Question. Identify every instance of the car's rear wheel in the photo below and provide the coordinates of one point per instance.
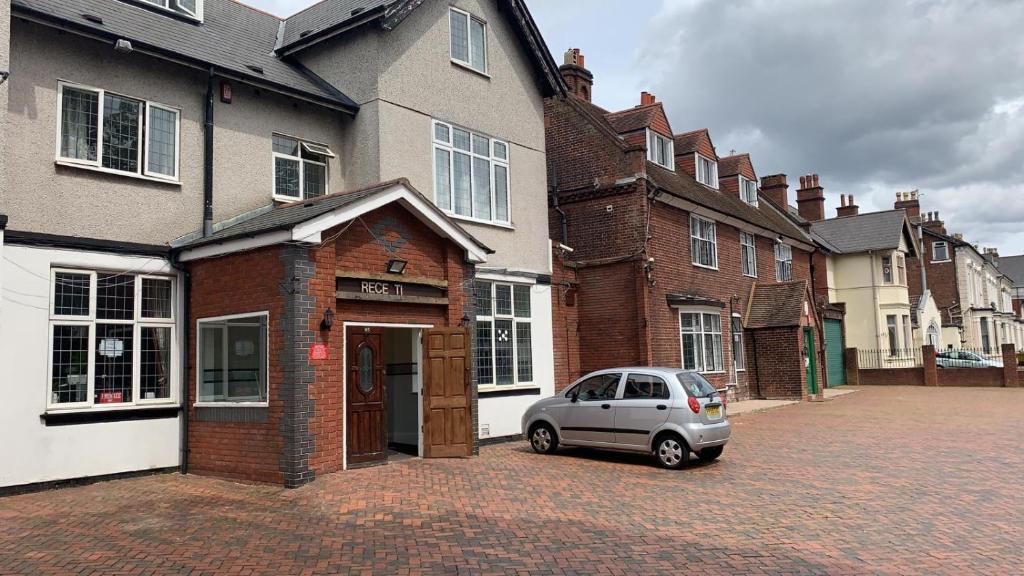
(709, 454)
(671, 452)
(543, 438)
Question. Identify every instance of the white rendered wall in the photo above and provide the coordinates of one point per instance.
(33, 452)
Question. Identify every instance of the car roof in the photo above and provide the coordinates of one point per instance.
(647, 369)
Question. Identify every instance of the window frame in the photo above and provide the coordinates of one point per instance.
(736, 337)
(493, 162)
(266, 359)
(469, 43)
(887, 271)
(713, 241)
(493, 317)
(138, 323)
(300, 143)
(744, 191)
(701, 334)
(783, 247)
(892, 330)
(653, 139)
(901, 269)
(945, 248)
(143, 151)
(752, 247)
(700, 168)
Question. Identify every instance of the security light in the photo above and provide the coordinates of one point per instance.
(396, 266)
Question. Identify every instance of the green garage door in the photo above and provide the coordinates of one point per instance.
(834, 353)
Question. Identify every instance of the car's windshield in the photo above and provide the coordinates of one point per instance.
(695, 384)
(965, 355)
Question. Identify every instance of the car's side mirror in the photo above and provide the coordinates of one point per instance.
(575, 397)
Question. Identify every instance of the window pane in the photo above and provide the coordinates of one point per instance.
(460, 139)
(155, 360)
(503, 299)
(503, 352)
(365, 367)
(286, 177)
(121, 133)
(524, 352)
(69, 381)
(114, 348)
(501, 193)
(71, 294)
(462, 184)
(246, 360)
(442, 133)
(500, 150)
(477, 33)
(285, 145)
(156, 298)
(78, 124)
(483, 298)
(187, 5)
(442, 179)
(521, 296)
(163, 126)
(644, 386)
(481, 145)
(484, 353)
(314, 179)
(115, 297)
(460, 41)
(481, 189)
(691, 351)
(211, 362)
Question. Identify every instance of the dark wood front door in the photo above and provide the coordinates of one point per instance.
(447, 394)
(366, 416)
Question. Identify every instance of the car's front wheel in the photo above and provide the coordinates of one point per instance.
(709, 454)
(543, 438)
(671, 452)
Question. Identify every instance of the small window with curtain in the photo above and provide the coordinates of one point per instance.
(300, 168)
(468, 40)
(703, 246)
(783, 262)
(748, 255)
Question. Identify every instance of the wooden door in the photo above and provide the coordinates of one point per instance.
(366, 416)
(447, 394)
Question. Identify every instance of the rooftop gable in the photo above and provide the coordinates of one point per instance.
(639, 118)
(696, 141)
(865, 232)
(737, 164)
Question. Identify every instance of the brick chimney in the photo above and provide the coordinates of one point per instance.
(846, 206)
(647, 98)
(578, 79)
(931, 221)
(908, 201)
(776, 189)
(810, 198)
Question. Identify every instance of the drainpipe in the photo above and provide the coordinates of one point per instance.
(186, 283)
(561, 213)
(874, 299)
(208, 158)
(924, 284)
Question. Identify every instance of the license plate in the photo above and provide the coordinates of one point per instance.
(713, 411)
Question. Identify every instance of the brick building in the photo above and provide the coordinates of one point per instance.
(668, 249)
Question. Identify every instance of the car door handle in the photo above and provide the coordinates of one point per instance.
(606, 406)
(662, 407)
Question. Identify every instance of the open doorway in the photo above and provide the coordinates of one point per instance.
(402, 384)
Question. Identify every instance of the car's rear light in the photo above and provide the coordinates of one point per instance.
(694, 404)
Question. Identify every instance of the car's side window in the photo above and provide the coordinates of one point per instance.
(600, 387)
(645, 386)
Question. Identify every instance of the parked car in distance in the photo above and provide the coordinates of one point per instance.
(666, 412)
(964, 359)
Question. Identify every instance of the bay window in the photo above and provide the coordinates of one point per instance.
(504, 335)
(116, 133)
(783, 262)
(701, 341)
(471, 174)
(703, 246)
(300, 168)
(111, 339)
(232, 359)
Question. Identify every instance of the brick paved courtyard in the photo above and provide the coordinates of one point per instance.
(872, 482)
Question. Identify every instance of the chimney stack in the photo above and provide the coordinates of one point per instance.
(647, 98)
(932, 222)
(810, 198)
(776, 189)
(846, 206)
(577, 78)
(909, 202)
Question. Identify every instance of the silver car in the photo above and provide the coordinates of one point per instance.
(965, 359)
(661, 411)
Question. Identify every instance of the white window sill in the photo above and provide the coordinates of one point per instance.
(940, 261)
(706, 267)
(231, 405)
(751, 275)
(480, 221)
(111, 407)
(103, 170)
(495, 388)
(466, 66)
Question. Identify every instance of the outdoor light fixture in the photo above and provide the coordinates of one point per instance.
(328, 320)
(396, 266)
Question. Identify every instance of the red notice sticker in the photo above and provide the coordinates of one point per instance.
(318, 352)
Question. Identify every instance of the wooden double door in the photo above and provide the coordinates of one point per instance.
(446, 395)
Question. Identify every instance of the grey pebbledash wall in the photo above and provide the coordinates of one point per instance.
(297, 373)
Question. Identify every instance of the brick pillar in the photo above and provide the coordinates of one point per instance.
(852, 363)
(931, 370)
(1010, 374)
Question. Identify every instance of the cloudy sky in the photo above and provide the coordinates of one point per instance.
(875, 96)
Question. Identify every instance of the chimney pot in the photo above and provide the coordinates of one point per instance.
(646, 98)
(577, 78)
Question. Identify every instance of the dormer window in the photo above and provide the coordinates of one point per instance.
(707, 171)
(661, 150)
(190, 8)
(748, 191)
(468, 40)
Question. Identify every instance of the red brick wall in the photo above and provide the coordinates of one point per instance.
(894, 377)
(610, 323)
(565, 321)
(687, 163)
(971, 377)
(942, 281)
(579, 154)
(775, 357)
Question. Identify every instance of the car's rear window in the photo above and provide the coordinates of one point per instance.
(695, 384)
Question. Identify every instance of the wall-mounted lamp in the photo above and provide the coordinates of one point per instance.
(328, 320)
(396, 266)
(465, 319)
(123, 46)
